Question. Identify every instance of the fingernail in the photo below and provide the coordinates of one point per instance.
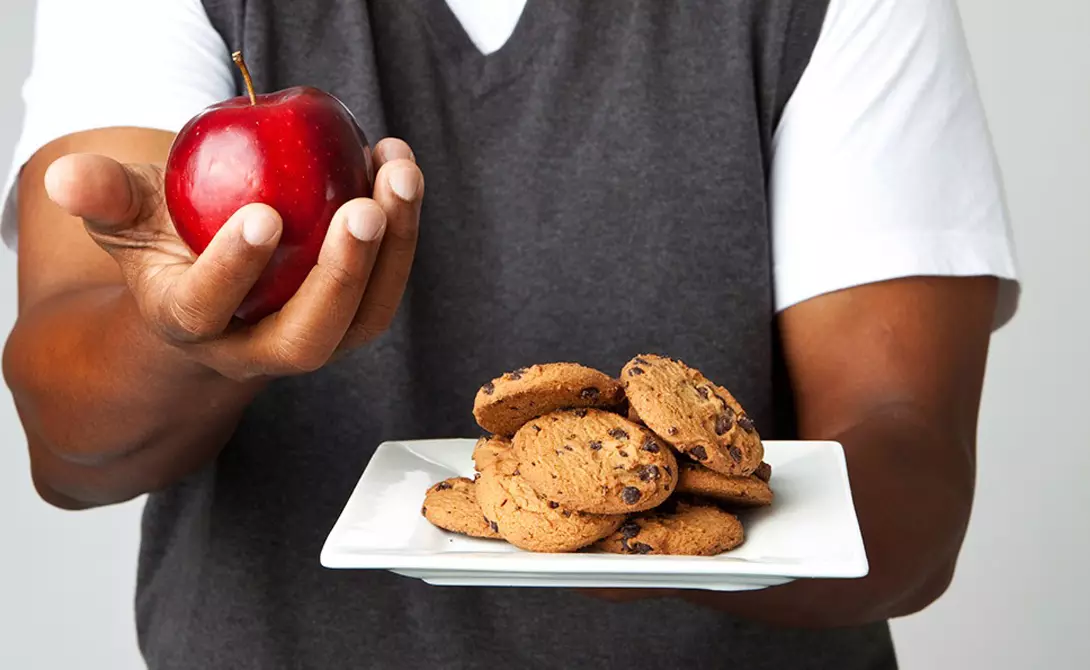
(258, 229)
(405, 183)
(366, 223)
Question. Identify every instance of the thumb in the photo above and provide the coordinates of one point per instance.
(107, 195)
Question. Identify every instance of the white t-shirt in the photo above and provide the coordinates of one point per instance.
(882, 168)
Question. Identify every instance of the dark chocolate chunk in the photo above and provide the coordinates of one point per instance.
(736, 454)
(590, 393)
(746, 423)
(623, 453)
(618, 434)
(489, 388)
(648, 473)
(516, 473)
(673, 430)
(580, 413)
(568, 447)
(635, 371)
(629, 529)
(566, 513)
(517, 374)
(553, 505)
(640, 361)
(640, 548)
(537, 428)
(698, 452)
(443, 486)
(763, 472)
(630, 494)
(723, 423)
(424, 509)
(703, 391)
(651, 445)
(595, 446)
(494, 527)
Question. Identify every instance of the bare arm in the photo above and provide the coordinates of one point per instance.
(125, 367)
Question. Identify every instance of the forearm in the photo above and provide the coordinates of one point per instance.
(109, 410)
(912, 484)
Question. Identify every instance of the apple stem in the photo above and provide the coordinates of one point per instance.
(237, 57)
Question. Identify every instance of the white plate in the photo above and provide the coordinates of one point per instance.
(809, 531)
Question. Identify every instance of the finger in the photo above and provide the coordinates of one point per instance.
(202, 301)
(399, 190)
(107, 195)
(303, 335)
(391, 149)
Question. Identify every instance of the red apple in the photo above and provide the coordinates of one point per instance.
(298, 150)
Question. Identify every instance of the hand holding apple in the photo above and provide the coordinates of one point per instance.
(348, 293)
(298, 151)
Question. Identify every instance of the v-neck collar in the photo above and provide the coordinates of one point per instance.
(480, 72)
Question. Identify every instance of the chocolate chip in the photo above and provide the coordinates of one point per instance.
(623, 453)
(424, 510)
(580, 413)
(763, 472)
(553, 505)
(489, 388)
(648, 473)
(537, 428)
(640, 548)
(558, 452)
(746, 423)
(630, 494)
(516, 473)
(668, 472)
(698, 452)
(595, 446)
(566, 513)
(736, 454)
(590, 393)
(640, 361)
(703, 391)
(476, 476)
(635, 371)
(618, 434)
(651, 445)
(673, 430)
(568, 447)
(723, 423)
(494, 527)
(487, 522)
(443, 486)
(517, 374)
(629, 529)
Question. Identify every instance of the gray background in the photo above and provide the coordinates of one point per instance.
(1020, 598)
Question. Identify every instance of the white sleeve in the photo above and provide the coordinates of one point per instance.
(883, 165)
(103, 63)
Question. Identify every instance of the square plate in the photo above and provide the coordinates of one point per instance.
(810, 530)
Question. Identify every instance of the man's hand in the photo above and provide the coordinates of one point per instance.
(349, 297)
(893, 371)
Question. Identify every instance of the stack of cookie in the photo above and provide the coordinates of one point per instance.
(577, 459)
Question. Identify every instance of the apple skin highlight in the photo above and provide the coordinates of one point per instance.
(299, 151)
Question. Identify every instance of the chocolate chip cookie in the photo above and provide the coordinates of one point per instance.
(679, 528)
(698, 417)
(504, 404)
(531, 521)
(595, 461)
(740, 491)
(452, 505)
(487, 450)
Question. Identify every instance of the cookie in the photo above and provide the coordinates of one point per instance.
(690, 529)
(452, 505)
(529, 520)
(744, 491)
(504, 404)
(487, 450)
(698, 417)
(595, 461)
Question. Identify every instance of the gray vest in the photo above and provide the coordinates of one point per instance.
(595, 189)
